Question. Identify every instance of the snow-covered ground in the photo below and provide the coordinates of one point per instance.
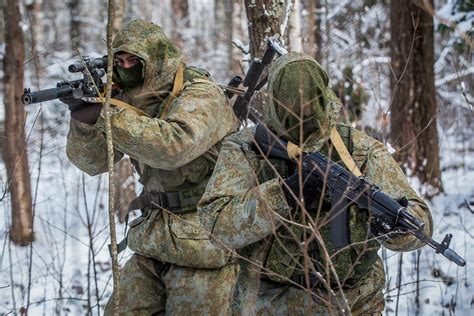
(444, 288)
(68, 267)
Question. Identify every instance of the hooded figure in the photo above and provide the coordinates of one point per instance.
(174, 149)
(246, 207)
(299, 93)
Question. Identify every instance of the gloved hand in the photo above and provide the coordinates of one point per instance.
(83, 111)
(312, 187)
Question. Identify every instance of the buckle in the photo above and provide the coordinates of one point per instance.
(158, 200)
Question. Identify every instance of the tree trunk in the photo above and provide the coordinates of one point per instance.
(180, 21)
(75, 23)
(223, 35)
(413, 107)
(119, 15)
(240, 33)
(264, 19)
(36, 17)
(295, 39)
(125, 188)
(312, 25)
(123, 175)
(21, 231)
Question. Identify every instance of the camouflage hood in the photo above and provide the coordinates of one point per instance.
(160, 57)
(298, 92)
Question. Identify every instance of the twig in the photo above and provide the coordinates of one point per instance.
(399, 280)
(110, 158)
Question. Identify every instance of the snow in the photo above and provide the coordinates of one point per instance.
(68, 201)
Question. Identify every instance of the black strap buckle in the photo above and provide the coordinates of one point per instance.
(158, 200)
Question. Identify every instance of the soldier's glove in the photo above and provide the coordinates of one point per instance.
(312, 185)
(83, 111)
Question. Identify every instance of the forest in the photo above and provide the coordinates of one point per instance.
(403, 72)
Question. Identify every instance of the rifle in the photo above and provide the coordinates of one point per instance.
(252, 76)
(344, 188)
(92, 70)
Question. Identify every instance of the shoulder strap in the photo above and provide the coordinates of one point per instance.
(294, 151)
(343, 152)
(177, 87)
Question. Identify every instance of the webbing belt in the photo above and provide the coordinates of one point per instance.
(176, 202)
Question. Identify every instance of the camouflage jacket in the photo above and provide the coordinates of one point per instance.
(244, 203)
(172, 152)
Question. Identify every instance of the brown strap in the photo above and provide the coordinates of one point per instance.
(177, 87)
(294, 151)
(343, 152)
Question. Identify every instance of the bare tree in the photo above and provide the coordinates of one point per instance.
(75, 23)
(180, 21)
(295, 39)
(119, 15)
(238, 33)
(36, 17)
(265, 18)
(413, 107)
(21, 231)
(124, 180)
(312, 37)
(125, 188)
(224, 33)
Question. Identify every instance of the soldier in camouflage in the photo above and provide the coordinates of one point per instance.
(174, 147)
(249, 205)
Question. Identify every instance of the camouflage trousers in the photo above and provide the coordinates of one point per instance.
(151, 287)
(275, 299)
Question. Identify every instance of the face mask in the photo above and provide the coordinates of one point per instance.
(130, 77)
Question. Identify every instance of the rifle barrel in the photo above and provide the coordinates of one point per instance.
(46, 95)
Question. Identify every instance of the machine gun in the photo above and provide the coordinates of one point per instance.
(251, 80)
(93, 71)
(344, 188)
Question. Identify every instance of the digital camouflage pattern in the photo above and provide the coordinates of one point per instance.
(294, 98)
(177, 153)
(244, 206)
(150, 287)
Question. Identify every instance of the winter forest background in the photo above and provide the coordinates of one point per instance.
(418, 99)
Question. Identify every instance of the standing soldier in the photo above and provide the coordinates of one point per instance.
(260, 207)
(173, 145)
